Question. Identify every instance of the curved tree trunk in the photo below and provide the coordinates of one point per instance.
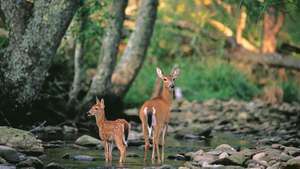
(34, 37)
(78, 59)
(109, 50)
(135, 52)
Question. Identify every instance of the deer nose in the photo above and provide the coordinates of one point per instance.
(172, 86)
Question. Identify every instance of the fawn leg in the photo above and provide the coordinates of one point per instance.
(165, 129)
(110, 151)
(122, 148)
(106, 151)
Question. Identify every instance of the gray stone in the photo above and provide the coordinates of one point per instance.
(69, 129)
(83, 158)
(234, 159)
(9, 154)
(31, 162)
(21, 140)
(86, 140)
(293, 151)
(7, 166)
(284, 157)
(2, 161)
(204, 158)
(293, 163)
(54, 166)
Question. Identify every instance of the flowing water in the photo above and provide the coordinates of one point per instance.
(135, 159)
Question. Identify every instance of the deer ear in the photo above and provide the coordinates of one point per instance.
(102, 103)
(97, 100)
(175, 73)
(159, 73)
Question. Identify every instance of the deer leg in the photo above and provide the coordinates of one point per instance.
(146, 138)
(106, 151)
(111, 146)
(153, 147)
(122, 148)
(157, 134)
(163, 142)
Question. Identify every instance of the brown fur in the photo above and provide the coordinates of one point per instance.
(110, 131)
(162, 105)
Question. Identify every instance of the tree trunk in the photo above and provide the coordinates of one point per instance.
(78, 56)
(241, 25)
(135, 52)
(271, 27)
(34, 38)
(109, 50)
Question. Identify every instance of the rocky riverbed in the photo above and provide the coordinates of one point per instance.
(210, 134)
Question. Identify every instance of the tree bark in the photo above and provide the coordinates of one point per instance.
(272, 59)
(241, 25)
(34, 38)
(78, 60)
(135, 52)
(109, 50)
(271, 27)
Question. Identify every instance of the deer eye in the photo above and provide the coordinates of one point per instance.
(165, 79)
(96, 108)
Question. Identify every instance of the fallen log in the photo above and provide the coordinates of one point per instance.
(273, 60)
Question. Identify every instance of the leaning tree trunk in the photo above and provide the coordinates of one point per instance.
(108, 55)
(271, 27)
(78, 60)
(35, 34)
(135, 52)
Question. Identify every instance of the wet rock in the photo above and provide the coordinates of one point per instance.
(248, 152)
(87, 141)
(234, 159)
(204, 158)
(83, 158)
(7, 166)
(131, 112)
(66, 156)
(293, 151)
(284, 157)
(177, 157)
(293, 163)
(31, 162)
(223, 155)
(277, 146)
(69, 129)
(223, 148)
(9, 154)
(21, 140)
(2, 161)
(134, 135)
(54, 166)
(260, 158)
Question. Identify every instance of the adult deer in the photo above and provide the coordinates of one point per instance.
(110, 131)
(155, 115)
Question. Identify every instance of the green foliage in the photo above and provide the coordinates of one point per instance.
(291, 91)
(200, 80)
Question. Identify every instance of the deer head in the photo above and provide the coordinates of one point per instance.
(168, 80)
(97, 109)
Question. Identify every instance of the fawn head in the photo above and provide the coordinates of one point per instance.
(97, 108)
(168, 80)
